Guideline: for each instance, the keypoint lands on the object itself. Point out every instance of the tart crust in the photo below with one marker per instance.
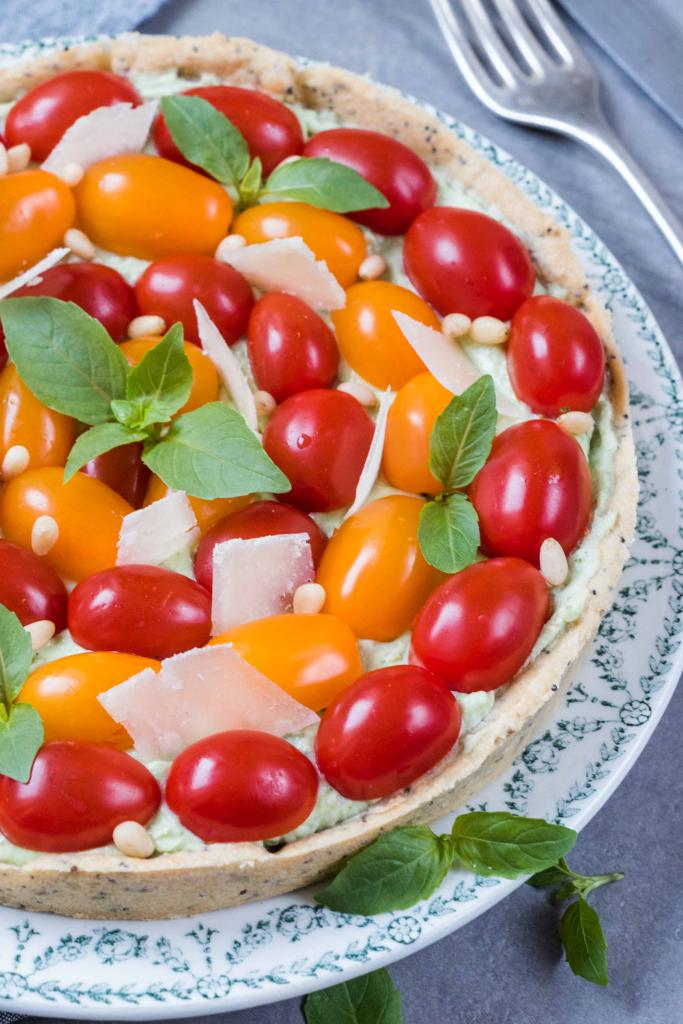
(106, 886)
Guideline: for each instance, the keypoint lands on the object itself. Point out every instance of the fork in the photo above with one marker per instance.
(524, 65)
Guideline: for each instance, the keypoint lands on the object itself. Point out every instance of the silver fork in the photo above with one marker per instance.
(543, 79)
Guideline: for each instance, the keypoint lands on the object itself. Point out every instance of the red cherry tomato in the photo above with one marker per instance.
(77, 794)
(241, 786)
(123, 470)
(478, 628)
(261, 519)
(44, 113)
(555, 357)
(386, 730)
(168, 286)
(271, 129)
(536, 484)
(386, 163)
(320, 440)
(462, 261)
(140, 609)
(30, 588)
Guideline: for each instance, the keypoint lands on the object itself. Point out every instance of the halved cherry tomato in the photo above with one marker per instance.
(47, 435)
(410, 422)
(140, 205)
(44, 113)
(36, 208)
(271, 129)
(330, 236)
(555, 357)
(373, 572)
(260, 519)
(462, 261)
(320, 440)
(477, 630)
(30, 588)
(65, 693)
(241, 786)
(385, 731)
(536, 484)
(205, 385)
(141, 609)
(312, 657)
(77, 794)
(386, 163)
(291, 348)
(207, 510)
(123, 470)
(370, 339)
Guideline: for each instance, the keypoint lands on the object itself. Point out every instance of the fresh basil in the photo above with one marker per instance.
(21, 730)
(506, 845)
(371, 999)
(568, 883)
(324, 183)
(448, 532)
(461, 439)
(162, 380)
(584, 942)
(15, 656)
(97, 441)
(206, 137)
(250, 185)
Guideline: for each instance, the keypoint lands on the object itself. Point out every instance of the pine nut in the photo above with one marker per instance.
(455, 325)
(265, 403)
(79, 243)
(361, 392)
(488, 330)
(44, 535)
(71, 174)
(18, 157)
(553, 562)
(15, 461)
(575, 423)
(41, 632)
(308, 599)
(372, 267)
(231, 243)
(146, 327)
(133, 840)
(4, 162)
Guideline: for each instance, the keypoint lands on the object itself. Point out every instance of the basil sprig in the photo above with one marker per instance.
(371, 999)
(208, 139)
(21, 728)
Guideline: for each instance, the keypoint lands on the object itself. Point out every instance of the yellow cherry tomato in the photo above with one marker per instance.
(373, 572)
(332, 238)
(405, 461)
(36, 208)
(145, 206)
(47, 435)
(312, 657)
(370, 339)
(87, 512)
(204, 376)
(65, 692)
(207, 510)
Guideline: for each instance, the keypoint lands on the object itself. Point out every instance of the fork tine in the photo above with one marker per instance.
(471, 68)
(558, 34)
(487, 36)
(523, 38)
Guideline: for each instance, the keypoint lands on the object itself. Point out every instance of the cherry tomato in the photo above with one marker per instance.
(30, 588)
(87, 512)
(385, 731)
(271, 129)
(536, 484)
(141, 609)
(241, 786)
(291, 348)
(410, 423)
(44, 113)
(77, 794)
(123, 470)
(477, 630)
(36, 209)
(260, 519)
(205, 387)
(555, 357)
(330, 236)
(399, 174)
(462, 261)
(140, 205)
(47, 435)
(168, 287)
(65, 693)
(370, 339)
(312, 657)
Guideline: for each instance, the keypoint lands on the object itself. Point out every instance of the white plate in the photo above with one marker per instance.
(288, 946)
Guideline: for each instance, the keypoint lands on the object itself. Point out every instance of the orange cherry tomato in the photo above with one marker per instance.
(24, 420)
(65, 692)
(370, 339)
(373, 572)
(140, 205)
(204, 376)
(330, 236)
(409, 425)
(36, 208)
(207, 510)
(87, 512)
(312, 657)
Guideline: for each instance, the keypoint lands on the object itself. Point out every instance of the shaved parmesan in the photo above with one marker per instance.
(152, 534)
(368, 476)
(104, 132)
(196, 694)
(227, 367)
(257, 577)
(27, 276)
(288, 265)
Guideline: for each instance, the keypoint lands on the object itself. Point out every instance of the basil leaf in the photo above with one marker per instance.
(462, 435)
(448, 533)
(506, 845)
(584, 942)
(212, 453)
(556, 875)
(250, 185)
(206, 137)
(162, 380)
(137, 415)
(15, 656)
(64, 357)
(97, 441)
(21, 737)
(324, 183)
(372, 999)
(398, 869)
